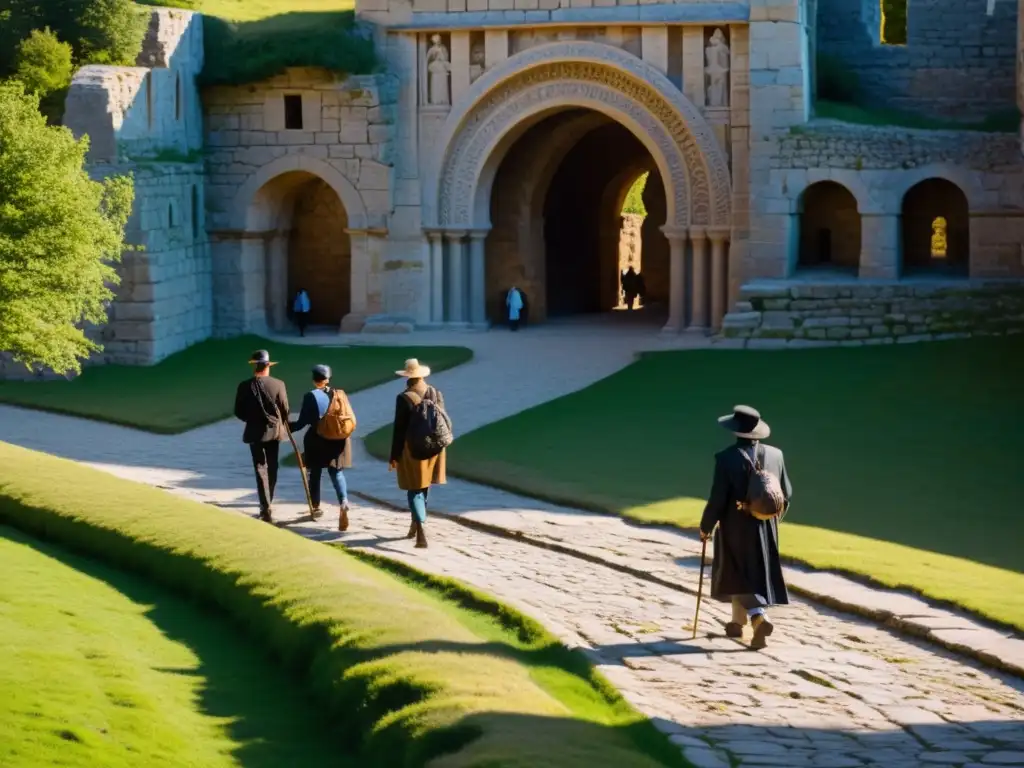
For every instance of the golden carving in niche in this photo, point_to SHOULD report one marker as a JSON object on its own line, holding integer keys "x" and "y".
{"x": 939, "y": 241}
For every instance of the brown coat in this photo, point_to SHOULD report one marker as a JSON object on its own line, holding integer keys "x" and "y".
{"x": 414, "y": 474}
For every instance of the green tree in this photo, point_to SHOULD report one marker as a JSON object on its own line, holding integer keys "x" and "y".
{"x": 60, "y": 233}
{"x": 43, "y": 65}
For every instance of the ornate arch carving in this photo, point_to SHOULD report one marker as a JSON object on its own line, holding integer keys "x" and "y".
{"x": 593, "y": 75}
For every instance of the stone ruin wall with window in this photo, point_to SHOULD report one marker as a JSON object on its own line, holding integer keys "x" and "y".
{"x": 880, "y": 192}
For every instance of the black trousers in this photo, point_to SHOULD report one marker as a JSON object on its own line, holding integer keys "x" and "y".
{"x": 264, "y": 462}
{"x": 302, "y": 319}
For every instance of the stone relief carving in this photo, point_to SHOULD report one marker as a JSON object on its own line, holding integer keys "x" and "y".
{"x": 476, "y": 61}
{"x": 717, "y": 57}
{"x": 438, "y": 70}
{"x": 697, "y": 168}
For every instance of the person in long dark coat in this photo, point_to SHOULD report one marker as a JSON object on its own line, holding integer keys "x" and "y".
{"x": 746, "y": 570}
{"x": 318, "y": 452}
{"x": 261, "y": 401}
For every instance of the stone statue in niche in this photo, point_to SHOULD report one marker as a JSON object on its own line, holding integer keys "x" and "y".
{"x": 476, "y": 62}
{"x": 717, "y": 64}
{"x": 438, "y": 68}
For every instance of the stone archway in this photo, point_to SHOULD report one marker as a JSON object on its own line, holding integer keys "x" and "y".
{"x": 512, "y": 97}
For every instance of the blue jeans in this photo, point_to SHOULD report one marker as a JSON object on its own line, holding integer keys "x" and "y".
{"x": 418, "y": 504}
{"x": 337, "y": 480}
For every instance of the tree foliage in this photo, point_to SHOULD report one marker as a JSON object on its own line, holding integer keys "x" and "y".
{"x": 60, "y": 233}
{"x": 634, "y": 202}
{"x": 43, "y": 65}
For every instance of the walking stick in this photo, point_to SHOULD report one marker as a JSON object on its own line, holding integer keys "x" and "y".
{"x": 700, "y": 584}
{"x": 302, "y": 469}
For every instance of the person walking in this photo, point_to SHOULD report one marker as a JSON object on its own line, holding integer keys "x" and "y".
{"x": 325, "y": 410}
{"x": 514, "y": 303}
{"x": 300, "y": 308}
{"x": 261, "y": 401}
{"x": 629, "y": 287}
{"x": 417, "y": 475}
{"x": 746, "y": 569}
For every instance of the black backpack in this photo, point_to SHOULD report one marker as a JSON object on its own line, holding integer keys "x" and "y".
{"x": 765, "y": 499}
{"x": 430, "y": 428}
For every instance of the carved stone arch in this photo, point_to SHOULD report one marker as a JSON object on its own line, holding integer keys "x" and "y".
{"x": 247, "y": 209}
{"x": 527, "y": 87}
{"x": 964, "y": 179}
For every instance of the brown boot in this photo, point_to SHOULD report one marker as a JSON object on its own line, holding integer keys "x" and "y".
{"x": 316, "y": 514}
{"x": 421, "y": 537}
{"x": 412, "y": 531}
{"x": 734, "y": 629}
{"x": 266, "y": 515}
{"x": 343, "y": 517}
{"x": 762, "y": 629}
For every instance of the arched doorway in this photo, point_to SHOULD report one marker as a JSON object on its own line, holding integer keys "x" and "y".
{"x": 569, "y": 83}
{"x": 935, "y": 229}
{"x": 830, "y": 228}
{"x": 556, "y": 213}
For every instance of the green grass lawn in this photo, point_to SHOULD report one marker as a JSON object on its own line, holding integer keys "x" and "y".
{"x": 197, "y": 386}
{"x": 102, "y": 668}
{"x": 253, "y": 10}
{"x": 407, "y": 670}
{"x": 903, "y": 458}
{"x": 1003, "y": 122}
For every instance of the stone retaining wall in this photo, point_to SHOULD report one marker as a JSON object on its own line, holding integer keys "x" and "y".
{"x": 773, "y": 314}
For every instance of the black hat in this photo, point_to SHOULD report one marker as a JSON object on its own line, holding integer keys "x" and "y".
{"x": 746, "y": 422}
{"x": 321, "y": 372}
{"x": 261, "y": 357}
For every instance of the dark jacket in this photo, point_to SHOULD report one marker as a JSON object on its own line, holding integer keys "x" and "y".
{"x": 255, "y": 402}
{"x": 746, "y": 550}
{"x": 413, "y": 474}
{"x": 317, "y": 451}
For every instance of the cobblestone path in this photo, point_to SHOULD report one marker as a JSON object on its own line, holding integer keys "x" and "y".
{"x": 832, "y": 690}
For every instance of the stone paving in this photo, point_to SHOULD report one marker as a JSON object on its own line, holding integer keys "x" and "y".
{"x": 831, "y": 689}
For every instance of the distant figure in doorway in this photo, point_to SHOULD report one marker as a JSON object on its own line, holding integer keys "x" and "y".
{"x": 419, "y": 439}
{"x": 641, "y": 288}
{"x": 301, "y": 307}
{"x": 261, "y": 401}
{"x": 746, "y": 569}
{"x": 328, "y": 414}
{"x": 629, "y": 287}
{"x": 514, "y": 302}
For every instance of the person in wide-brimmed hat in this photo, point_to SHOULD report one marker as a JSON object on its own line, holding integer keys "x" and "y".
{"x": 415, "y": 476}
{"x": 261, "y": 401}
{"x": 746, "y": 569}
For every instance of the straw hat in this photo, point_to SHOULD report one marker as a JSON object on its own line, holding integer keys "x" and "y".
{"x": 261, "y": 357}
{"x": 745, "y": 421}
{"x": 413, "y": 370}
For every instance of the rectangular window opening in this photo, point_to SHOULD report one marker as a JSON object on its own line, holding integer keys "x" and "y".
{"x": 293, "y": 112}
{"x": 893, "y": 28}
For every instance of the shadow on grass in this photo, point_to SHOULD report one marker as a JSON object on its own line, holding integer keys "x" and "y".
{"x": 270, "y": 714}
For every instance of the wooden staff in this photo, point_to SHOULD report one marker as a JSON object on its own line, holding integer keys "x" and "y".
{"x": 700, "y": 584}
{"x": 298, "y": 457}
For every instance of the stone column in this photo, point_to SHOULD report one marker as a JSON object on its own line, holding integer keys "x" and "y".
{"x": 277, "y": 297}
{"x": 879, "y": 246}
{"x": 719, "y": 264}
{"x": 699, "y": 282}
{"x": 478, "y": 279}
{"x": 436, "y": 277}
{"x": 359, "y": 282}
{"x": 253, "y": 283}
{"x": 676, "y": 278}
{"x": 456, "y": 276}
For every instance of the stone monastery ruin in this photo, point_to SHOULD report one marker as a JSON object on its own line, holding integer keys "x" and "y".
{"x": 498, "y": 142}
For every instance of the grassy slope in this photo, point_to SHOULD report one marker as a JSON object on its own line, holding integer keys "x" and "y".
{"x": 102, "y": 668}
{"x": 402, "y": 679}
{"x": 903, "y": 458}
{"x": 197, "y": 386}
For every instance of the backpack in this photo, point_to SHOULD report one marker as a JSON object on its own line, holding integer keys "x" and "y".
{"x": 765, "y": 499}
{"x": 339, "y": 420}
{"x": 430, "y": 428}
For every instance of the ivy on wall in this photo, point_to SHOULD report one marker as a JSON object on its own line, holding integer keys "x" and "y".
{"x": 894, "y": 22}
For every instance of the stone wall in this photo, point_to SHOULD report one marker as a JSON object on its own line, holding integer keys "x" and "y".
{"x": 773, "y": 314}
{"x": 878, "y": 166}
{"x": 958, "y": 63}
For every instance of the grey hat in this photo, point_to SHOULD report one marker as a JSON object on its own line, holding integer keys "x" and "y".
{"x": 321, "y": 372}
{"x": 261, "y": 357}
{"x": 745, "y": 421}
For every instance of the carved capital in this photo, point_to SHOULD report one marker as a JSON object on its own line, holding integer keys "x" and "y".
{"x": 719, "y": 234}
{"x": 676, "y": 233}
